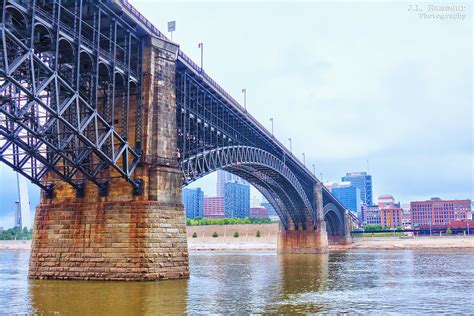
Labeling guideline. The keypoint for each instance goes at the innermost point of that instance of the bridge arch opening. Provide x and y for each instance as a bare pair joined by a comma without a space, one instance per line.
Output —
42,41
103,91
16,22
66,60
256,186
86,75
265,172
334,221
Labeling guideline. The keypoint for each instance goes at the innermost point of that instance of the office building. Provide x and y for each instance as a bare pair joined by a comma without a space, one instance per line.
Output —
348,195
439,213
363,182
391,214
214,207
236,200
223,177
193,200
370,214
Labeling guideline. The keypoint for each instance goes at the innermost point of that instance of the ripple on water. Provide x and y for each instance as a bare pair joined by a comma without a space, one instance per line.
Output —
388,282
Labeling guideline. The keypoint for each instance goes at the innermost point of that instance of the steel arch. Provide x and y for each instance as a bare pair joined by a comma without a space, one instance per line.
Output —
332,214
240,157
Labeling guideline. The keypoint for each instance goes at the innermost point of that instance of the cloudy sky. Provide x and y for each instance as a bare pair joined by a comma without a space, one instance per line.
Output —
348,82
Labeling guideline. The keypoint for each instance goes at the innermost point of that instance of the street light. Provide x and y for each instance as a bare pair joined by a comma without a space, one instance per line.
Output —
304,160
201,46
291,152
314,169
271,120
244,91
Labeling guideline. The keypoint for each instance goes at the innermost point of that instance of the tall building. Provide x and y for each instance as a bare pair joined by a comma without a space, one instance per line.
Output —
391,214
348,195
439,213
214,206
363,181
193,200
223,177
236,200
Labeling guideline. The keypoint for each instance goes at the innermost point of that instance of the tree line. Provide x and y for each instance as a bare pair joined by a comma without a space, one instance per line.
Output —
227,221
16,233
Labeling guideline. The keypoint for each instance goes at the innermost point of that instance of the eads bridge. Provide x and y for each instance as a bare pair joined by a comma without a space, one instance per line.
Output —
111,120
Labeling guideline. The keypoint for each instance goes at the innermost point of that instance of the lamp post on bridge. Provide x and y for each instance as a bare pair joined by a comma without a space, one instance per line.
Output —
304,160
244,91
271,120
289,139
201,46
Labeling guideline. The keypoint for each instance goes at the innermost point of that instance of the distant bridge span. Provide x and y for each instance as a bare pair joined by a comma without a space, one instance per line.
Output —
111,119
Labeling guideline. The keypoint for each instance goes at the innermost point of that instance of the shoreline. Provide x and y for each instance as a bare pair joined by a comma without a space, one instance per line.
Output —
444,243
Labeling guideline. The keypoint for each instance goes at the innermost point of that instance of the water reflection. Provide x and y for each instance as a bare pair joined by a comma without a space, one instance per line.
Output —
301,274
108,298
233,283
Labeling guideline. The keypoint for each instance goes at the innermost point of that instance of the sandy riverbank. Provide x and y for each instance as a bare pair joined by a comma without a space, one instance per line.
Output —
389,243
246,243
15,244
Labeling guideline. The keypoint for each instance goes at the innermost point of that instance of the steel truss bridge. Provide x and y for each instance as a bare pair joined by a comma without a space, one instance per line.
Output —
71,105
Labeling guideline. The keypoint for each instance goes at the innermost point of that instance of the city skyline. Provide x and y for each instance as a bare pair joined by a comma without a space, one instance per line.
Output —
325,86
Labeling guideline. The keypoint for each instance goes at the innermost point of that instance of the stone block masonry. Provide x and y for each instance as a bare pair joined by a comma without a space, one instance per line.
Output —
121,236
135,240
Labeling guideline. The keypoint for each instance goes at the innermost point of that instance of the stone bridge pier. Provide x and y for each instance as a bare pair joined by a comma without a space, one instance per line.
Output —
120,234
312,239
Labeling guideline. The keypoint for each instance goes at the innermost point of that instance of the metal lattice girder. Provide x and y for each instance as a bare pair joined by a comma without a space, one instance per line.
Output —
207,122
70,76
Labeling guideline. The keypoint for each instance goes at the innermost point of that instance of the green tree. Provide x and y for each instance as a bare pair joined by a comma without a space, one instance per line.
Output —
258,233
195,235
372,227
449,231
215,235
236,235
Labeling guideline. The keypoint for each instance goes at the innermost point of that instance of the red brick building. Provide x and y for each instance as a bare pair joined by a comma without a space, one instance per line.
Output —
214,207
439,213
258,212
391,214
